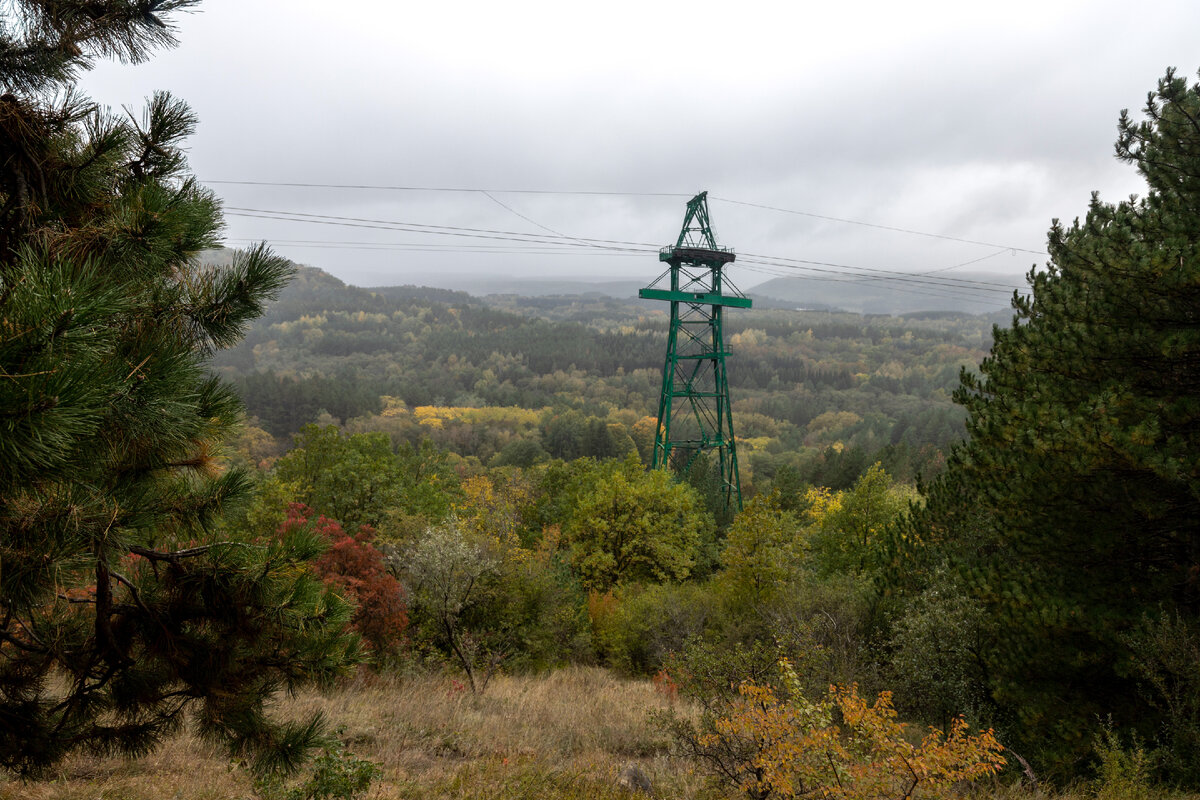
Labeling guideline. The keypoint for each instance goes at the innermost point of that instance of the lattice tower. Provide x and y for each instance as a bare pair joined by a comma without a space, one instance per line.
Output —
694,412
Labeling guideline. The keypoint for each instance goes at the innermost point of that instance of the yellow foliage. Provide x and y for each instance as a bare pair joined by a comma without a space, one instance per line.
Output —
393,407
646,426
492,510
428,415
755,443
751,337
492,416
366,316
832,421
821,502
801,751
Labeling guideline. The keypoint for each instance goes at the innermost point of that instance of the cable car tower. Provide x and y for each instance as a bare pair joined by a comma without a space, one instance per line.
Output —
694,414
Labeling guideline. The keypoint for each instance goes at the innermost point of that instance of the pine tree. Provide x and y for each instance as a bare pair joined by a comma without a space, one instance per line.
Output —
1073,509
123,613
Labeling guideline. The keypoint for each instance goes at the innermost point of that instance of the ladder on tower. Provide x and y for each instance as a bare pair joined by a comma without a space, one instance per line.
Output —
694,411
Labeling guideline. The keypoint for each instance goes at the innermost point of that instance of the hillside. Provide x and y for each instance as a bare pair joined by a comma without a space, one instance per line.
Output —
951,292
958,292
809,388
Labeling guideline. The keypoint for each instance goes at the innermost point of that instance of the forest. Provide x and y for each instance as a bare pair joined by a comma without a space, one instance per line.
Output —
823,394
266,534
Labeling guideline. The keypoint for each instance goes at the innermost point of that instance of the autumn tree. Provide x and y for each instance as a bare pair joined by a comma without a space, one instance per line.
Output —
635,525
1073,510
122,613
450,571
353,567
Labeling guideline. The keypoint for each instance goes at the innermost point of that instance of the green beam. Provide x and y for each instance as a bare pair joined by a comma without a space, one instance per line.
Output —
699,298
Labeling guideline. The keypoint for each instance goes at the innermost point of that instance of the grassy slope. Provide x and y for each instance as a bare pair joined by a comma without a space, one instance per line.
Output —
561,736
564,735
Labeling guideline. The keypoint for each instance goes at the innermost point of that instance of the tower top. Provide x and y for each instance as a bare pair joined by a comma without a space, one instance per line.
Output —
697,244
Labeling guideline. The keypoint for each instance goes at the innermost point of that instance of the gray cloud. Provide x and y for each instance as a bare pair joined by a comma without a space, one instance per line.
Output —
939,117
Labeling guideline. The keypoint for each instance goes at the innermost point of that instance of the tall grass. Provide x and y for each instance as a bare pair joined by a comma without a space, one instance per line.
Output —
562,736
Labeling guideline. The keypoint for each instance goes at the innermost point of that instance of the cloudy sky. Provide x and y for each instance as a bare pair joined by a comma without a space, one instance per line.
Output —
558,124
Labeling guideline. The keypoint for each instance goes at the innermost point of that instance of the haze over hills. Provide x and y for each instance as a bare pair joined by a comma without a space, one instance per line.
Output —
966,292
962,292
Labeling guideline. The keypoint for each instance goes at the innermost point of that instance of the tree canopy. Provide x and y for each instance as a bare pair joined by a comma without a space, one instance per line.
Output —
121,609
1072,512
635,525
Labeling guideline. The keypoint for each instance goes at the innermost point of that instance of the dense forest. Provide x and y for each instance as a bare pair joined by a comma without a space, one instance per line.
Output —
823,393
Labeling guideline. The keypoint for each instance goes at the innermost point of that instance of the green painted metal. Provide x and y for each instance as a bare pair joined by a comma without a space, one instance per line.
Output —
694,411
701,298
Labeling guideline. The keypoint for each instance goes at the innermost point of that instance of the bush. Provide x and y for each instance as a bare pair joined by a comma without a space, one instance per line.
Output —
1124,773
637,627
769,742
828,623
358,571
801,749
709,674
936,663
1166,656
337,774
540,609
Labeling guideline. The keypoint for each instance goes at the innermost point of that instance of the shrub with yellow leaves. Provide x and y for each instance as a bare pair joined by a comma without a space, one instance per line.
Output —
844,748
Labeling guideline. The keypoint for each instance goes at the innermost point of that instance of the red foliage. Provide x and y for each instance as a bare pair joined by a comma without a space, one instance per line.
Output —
355,568
665,685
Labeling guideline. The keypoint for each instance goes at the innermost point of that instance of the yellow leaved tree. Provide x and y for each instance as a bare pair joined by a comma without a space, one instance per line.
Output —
844,748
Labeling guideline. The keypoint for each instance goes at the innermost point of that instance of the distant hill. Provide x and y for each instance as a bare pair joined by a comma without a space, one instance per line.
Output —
826,392
537,287
962,292
941,293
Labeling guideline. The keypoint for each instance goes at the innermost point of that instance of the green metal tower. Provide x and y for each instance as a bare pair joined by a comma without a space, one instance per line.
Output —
694,414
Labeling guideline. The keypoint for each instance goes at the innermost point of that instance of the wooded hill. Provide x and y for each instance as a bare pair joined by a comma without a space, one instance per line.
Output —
827,393
861,292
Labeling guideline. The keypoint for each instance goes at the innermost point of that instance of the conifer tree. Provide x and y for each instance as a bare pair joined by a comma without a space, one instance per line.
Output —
123,613
1073,509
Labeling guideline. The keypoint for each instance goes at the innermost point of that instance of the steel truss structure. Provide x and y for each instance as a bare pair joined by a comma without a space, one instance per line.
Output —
694,412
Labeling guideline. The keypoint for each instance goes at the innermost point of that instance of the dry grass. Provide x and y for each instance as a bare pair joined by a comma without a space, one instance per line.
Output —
563,735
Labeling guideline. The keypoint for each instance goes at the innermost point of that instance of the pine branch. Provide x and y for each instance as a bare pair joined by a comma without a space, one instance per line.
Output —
175,556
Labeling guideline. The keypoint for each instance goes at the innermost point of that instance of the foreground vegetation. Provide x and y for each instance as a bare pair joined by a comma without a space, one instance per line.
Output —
566,735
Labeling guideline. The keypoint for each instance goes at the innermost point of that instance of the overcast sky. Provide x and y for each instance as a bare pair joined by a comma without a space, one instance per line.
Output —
977,121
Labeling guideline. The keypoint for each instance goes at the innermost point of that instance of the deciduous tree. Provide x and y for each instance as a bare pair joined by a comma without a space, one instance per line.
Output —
635,525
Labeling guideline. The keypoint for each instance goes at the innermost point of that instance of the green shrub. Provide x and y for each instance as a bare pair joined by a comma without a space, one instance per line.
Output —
935,664
647,623
826,624
1124,772
337,774
1166,657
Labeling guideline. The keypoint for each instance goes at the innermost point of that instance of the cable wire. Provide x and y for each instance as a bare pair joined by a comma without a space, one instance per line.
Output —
537,243
600,193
